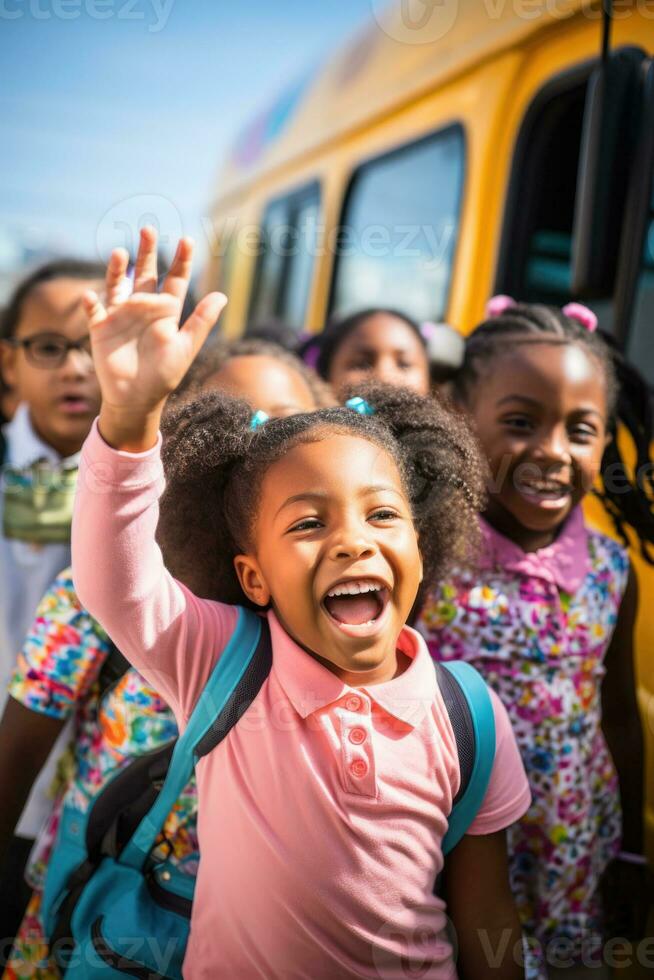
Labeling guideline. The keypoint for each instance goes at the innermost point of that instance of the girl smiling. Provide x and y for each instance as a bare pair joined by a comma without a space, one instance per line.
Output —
322,813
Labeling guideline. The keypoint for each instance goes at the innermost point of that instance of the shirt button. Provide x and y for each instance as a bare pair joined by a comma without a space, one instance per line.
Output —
357,736
359,768
353,703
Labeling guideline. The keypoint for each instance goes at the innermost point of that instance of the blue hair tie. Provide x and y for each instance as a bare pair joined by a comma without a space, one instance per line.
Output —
258,419
360,405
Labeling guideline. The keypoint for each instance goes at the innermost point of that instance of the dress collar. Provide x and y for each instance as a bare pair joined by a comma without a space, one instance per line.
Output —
565,562
309,686
25,447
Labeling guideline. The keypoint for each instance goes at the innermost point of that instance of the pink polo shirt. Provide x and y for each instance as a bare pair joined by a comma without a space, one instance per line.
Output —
321,815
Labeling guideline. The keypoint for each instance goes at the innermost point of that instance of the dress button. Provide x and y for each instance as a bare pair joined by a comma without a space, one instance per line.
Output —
357,736
353,703
359,768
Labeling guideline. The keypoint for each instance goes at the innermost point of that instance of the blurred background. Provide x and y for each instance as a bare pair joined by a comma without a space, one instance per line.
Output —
115,108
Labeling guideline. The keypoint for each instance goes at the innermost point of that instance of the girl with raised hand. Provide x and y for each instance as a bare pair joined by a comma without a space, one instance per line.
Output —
60,672
322,813
548,617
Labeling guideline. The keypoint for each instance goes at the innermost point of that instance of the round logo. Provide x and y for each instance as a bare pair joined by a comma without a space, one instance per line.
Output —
120,225
416,21
415,951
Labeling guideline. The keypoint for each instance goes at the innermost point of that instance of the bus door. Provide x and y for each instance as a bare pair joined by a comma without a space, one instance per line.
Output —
539,262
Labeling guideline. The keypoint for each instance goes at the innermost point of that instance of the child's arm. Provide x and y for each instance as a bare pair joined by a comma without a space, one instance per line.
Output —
488,933
623,733
61,658
26,740
140,356
478,897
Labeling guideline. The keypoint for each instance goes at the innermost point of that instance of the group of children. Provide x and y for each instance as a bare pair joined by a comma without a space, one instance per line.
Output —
320,829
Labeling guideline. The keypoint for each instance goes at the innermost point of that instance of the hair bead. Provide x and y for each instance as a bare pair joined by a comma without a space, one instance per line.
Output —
581,313
359,405
258,419
497,305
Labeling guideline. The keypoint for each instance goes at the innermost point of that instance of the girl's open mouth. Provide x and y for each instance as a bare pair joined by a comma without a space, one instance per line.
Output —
357,607
74,405
550,494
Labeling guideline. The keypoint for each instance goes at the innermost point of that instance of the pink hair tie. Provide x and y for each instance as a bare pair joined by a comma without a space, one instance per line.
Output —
497,305
581,313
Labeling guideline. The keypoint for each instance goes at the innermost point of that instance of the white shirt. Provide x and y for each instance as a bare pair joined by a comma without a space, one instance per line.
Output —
26,572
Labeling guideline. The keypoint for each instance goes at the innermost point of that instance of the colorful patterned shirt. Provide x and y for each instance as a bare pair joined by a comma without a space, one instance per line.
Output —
537,626
57,674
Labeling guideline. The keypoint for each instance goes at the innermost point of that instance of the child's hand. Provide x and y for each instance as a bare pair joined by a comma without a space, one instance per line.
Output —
139,350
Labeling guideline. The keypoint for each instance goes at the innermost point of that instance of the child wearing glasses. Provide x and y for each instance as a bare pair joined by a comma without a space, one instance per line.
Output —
45,361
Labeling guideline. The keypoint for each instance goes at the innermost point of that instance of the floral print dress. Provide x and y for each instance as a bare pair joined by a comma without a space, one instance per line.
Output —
537,626
57,674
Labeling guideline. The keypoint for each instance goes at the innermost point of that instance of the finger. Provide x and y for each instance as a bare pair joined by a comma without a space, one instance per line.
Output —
150,307
145,267
93,308
203,318
115,278
179,274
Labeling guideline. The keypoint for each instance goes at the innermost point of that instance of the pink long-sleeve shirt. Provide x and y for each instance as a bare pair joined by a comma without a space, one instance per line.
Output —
321,815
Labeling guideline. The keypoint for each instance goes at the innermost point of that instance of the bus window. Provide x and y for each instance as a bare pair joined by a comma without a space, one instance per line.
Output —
296,287
288,246
640,342
535,257
399,228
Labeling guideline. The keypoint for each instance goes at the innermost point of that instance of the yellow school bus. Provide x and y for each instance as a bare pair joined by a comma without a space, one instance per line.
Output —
453,150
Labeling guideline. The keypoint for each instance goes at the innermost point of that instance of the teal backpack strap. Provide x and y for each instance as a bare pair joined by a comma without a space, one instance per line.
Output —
234,683
469,705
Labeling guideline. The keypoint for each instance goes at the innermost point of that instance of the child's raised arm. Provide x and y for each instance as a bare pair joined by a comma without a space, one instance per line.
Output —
140,355
140,351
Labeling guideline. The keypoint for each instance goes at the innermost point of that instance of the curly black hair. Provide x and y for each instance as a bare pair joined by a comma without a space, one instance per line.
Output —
215,464
628,494
214,356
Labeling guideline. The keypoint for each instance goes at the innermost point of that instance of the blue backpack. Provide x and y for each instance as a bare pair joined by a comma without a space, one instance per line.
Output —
108,910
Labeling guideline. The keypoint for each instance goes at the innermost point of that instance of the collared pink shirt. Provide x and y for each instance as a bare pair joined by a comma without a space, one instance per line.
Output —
322,813
565,562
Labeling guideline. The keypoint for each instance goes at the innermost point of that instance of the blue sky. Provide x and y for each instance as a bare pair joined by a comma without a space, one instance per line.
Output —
106,100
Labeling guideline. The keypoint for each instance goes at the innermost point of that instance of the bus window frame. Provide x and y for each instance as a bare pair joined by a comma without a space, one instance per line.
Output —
226,267
291,199
519,203
636,219
454,126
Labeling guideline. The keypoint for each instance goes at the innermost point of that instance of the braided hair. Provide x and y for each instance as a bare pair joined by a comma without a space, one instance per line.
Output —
215,464
627,491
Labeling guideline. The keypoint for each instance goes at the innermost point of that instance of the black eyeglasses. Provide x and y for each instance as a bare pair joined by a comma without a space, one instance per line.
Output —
49,350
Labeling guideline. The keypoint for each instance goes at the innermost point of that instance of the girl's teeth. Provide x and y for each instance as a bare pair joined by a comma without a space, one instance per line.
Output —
546,487
354,588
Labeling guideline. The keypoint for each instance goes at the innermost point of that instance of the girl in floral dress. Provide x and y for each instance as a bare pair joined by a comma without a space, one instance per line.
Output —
547,616
58,676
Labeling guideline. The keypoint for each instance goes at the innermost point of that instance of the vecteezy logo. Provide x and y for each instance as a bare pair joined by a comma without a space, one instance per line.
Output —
416,21
120,225
413,951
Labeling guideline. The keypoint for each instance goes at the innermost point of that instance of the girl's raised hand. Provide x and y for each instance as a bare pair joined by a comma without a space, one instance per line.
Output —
140,351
